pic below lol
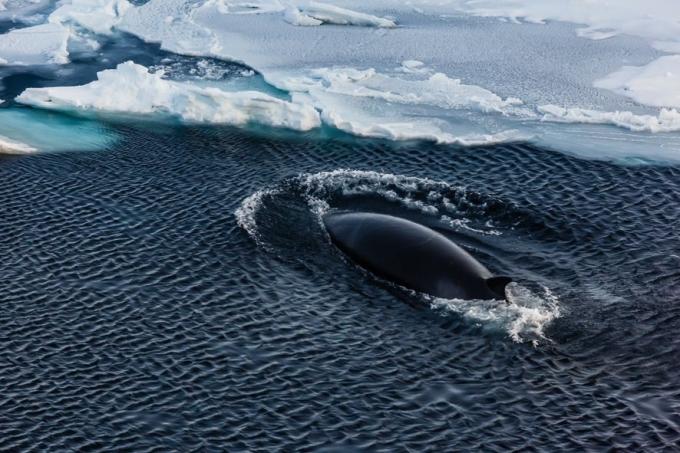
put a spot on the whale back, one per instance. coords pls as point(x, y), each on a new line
point(412, 256)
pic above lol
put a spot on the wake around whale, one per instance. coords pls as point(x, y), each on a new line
point(413, 256)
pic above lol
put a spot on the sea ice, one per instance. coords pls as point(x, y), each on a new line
point(9, 146)
point(99, 16)
point(450, 72)
point(22, 10)
point(132, 89)
point(40, 44)
point(314, 13)
point(657, 83)
point(668, 120)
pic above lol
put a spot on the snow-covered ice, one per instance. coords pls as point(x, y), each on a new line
point(314, 13)
point(22, 10)
point(40, 44)
point(657, 83)
point(99, 16)
point(132, 89)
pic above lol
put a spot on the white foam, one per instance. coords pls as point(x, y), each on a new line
point(132, 89)
point(40, 44)
point(657, 83)
point(437, 90)
point(247, 210)
point(9, 146)
point(668, 120)
point(427, 196)
point(524, 316)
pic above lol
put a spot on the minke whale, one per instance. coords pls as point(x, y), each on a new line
point(413, 256)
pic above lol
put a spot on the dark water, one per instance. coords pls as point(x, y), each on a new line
point(177, 293)
point(137, 315)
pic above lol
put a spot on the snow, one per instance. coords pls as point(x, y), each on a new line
point(668, 120)
point(99, 16)
point(170, 23)
point(449, 71)
point(132, 89)
point(22, 10)
point(40, 44)
point(436, 90)
point(315, 13)
point(434, 77)
point(657, 83)
point(294, 16)
point(656, 20)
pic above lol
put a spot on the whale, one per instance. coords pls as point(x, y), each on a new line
point(412, 256)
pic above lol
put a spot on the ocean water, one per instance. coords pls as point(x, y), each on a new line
point(170, 287)
point(151, 302)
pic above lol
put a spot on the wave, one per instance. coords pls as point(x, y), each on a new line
point(524, 317)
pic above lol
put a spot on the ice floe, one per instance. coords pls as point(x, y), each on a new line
point(132, 89)
point(36, 45)
point(314, 13)
point(98, 16)
point(22, 10)
point(668, 120)
point(657, 83)
point(9, 146)
point(449, 71)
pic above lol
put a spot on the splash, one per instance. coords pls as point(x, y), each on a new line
point(526, 314)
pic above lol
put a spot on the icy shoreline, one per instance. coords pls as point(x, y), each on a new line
point(427, 70)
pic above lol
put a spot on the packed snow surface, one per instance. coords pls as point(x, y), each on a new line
point(99, 16)
point(668, 120)
point(132, 89)
point(315, 13)
point(22, 10)
point(40, 44)
point(657, 83)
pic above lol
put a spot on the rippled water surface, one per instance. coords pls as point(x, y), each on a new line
point(176, 292)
